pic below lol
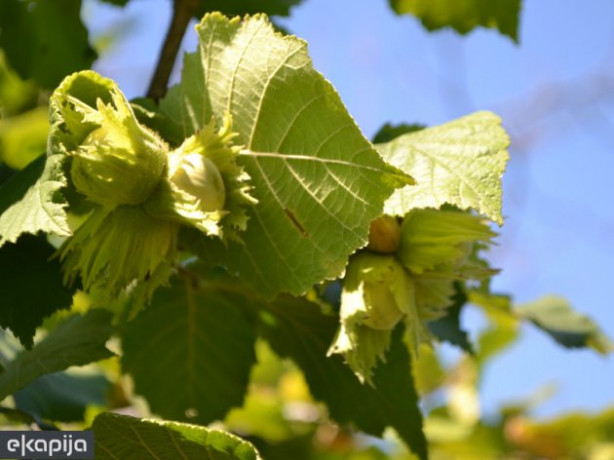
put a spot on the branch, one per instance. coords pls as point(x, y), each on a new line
point(183, 10)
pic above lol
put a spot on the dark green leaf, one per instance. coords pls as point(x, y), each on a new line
point(297, 329)
point(190, 354)
point(16, 184)
point(78, 340)
point(556, 317)
point(389, 132)
point(16, 416)
point(44, 40)
point(62, 397)
point(116, 2)
point(31, 286)
point(243, 7)
point(150, 115)
point(5, 174)
point(464, 16)
point(448, 328)
point(129, 438)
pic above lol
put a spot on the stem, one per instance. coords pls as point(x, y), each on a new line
point(183, 10)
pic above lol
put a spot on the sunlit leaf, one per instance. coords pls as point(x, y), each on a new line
point(317, 180)
point(120, 436)
point(459, 163)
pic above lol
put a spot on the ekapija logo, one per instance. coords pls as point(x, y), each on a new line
point(47, 444)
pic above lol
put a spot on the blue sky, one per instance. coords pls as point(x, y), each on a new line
point(555, 93)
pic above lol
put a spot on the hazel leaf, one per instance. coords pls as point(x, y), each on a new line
point(318, 181)
point(458, 163)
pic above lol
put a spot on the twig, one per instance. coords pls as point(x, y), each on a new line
point(183, 10)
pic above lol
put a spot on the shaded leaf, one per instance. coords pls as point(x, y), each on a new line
point(448, 328)
point(116, 2)
point(5, 174)
point(195, 345)
point(243, 7)
point(31, 286)
point(318, 181)
point(297, 329)
point(120, 436)
point(389, 131)
point(43, 40)
point(459, 163)
point(76, 341)
point(464, 16)
point(149, 114)
point(555, 316)
point(62, 397)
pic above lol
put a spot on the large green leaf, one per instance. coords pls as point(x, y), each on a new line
point(459, 163)
point(317, 179)
point(120, 436)
point(31, 286)
point(556, 317)
point(44, 40)
point(297, 329)
point(193, 344)
point(30, 201)
point(76, 341)
point(464, 15)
